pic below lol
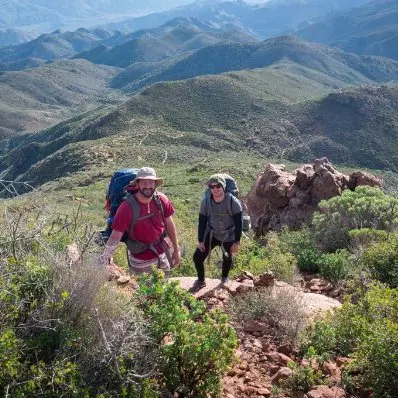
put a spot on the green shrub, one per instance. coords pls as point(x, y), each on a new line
point(302, 245)
point(258, 257)
point(63, 330)
point(363, 238)
point(319, 337)
point(335, 266)
point(307, 260)
point(303, 378)
point(381, 259)
point(195, 347)
point(377, 358)
point(366, 207)
point(368, 332)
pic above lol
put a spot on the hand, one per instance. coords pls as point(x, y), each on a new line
point(176, 257)
point(201, 246)
point(105, 260)
point(235, 248)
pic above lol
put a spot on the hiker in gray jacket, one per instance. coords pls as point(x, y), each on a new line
point(220, 224)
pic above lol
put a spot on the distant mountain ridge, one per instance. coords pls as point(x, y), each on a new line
point(265, 20)
point(371, 29)
point(55, 14)
point(34, 99)
point(117, 49)
point(344, 68)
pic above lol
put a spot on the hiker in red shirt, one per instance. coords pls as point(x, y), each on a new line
point(146, 244)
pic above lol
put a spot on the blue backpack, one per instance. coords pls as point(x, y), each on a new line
point(119, 186)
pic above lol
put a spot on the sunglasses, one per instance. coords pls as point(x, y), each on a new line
point(214, 186)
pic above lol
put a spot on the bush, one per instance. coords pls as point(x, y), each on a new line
point(63, 330)
point(281, 310)
point(381, 259)
point(307, 260)
point(363, 238)
point(303, 378)
point(366, 207)
point(335, 266)
point(195, 347)
point(319, 337)
point(368, 332)
point(302, 245)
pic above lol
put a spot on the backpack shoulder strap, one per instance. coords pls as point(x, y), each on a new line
point(230, 205)
point(209, 210)
point(132, 201)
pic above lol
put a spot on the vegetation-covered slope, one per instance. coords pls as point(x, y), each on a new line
point(268, 112)
point(32, 100)
point(332, 63)
point(369, 29)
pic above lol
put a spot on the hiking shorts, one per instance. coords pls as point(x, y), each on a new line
point(137, 266)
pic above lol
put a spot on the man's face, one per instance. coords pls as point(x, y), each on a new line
point(217, 189)
point(147, 187)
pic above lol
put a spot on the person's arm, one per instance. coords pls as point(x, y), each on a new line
point(238, 220)
point(172, 234)
point(111, 246)
point(202, 227)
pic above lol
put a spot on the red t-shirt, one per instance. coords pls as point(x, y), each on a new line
point(148, 230)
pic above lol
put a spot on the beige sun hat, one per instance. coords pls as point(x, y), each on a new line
point(147, 173)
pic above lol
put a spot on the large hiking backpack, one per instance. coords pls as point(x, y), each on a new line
point(119, 186)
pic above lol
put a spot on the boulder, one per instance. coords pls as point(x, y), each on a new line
point(281, 199)
point(326, 392)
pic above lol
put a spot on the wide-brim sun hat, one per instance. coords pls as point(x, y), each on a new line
point(147, 173)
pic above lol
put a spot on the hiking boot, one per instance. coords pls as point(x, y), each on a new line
point(197, 285)
point(224, 280)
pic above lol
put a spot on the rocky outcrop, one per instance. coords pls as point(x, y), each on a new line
point(279, 198)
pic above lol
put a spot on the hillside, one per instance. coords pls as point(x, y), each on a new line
point(9, 37)
point(271, 113)
point(32, 100)
point(333, 65)
point(155, 45)
point(51, 46)
point(370, 29)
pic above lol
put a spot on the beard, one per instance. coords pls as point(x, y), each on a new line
point(147, 192)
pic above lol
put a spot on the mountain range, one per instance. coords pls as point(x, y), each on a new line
point(51, 15)
point(191, 89)
point(34, 99)
point(369, 29)
point(336, 66)
point(118, 49)
point(265, 20)
point(287, 109)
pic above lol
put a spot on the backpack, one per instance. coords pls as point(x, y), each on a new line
point(119, 186)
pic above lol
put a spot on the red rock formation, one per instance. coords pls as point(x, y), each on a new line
point(279, 198)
